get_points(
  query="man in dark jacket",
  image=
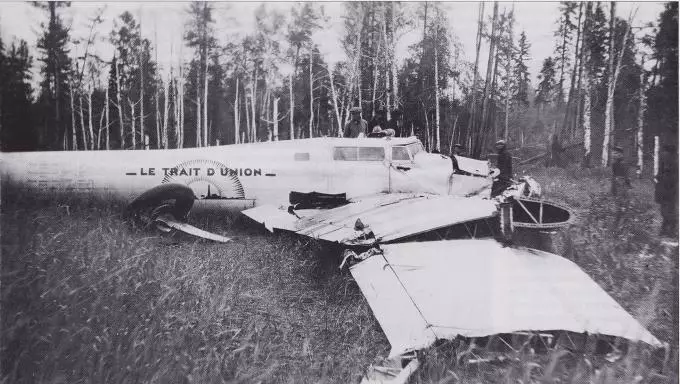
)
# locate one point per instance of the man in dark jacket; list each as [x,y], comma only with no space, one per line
[504,164]
[357,125]
[666,192]
[620,179]
[397,123]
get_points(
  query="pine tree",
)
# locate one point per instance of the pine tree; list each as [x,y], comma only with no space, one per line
[54,88]
[564,34]
[545,94]
[200,36]
[16,129]
[522,79]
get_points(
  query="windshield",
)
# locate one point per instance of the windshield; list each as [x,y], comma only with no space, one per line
[415,148]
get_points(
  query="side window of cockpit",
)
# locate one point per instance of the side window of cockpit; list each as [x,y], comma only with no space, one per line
[371,153]
[400,154]
[345,153]
[302,156]
[359,153]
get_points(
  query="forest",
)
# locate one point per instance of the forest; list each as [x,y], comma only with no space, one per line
[610,81]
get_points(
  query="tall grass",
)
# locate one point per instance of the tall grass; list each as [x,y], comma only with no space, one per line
[87,298]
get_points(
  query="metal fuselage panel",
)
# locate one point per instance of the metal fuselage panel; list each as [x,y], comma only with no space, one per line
[265,172]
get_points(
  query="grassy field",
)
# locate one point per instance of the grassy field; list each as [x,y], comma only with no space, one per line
[86,298]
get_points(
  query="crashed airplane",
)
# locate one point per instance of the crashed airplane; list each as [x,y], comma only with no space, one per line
[407,222]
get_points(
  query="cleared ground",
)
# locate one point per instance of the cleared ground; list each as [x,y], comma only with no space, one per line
[86,298]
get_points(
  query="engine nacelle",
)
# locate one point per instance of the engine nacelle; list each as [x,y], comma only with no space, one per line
[173,199]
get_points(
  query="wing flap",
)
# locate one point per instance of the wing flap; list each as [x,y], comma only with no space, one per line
[479,288]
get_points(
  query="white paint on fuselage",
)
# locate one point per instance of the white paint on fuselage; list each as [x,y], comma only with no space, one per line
[265,172]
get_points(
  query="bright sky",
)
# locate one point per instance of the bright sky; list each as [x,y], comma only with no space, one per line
[166,19]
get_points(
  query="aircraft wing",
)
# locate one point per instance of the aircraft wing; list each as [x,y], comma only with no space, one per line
[383,218]
[420,292]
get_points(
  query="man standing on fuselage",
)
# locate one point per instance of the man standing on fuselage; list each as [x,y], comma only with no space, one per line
[357,125]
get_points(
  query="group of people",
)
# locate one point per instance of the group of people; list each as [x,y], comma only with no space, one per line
[378,127]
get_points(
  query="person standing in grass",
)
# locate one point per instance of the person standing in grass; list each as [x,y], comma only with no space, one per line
[620,179]
[666,191]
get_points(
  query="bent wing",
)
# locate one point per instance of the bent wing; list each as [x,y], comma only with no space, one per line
[421,292]
[383,218]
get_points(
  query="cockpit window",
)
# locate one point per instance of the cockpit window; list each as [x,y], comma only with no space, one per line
[359,153]
[371,153]
[345,153]
[415,148]
[400,153]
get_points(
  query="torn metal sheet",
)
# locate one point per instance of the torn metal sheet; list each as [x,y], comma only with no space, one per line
[273,217]
[393,217]
[190,229]
[473,166]
[420,292]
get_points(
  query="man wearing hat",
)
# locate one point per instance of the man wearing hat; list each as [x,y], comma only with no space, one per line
[457,150]
[666,191]
[620,179]
[397,123]
[356,125]
[504,164]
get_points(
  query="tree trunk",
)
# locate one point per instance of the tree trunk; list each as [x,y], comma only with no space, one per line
[166,113]
[641,116]
[489,76]
[311,94]
[198,120]
[375,53]
[142,134]
[395,79]
[473,107]
[275,116]
[508,69]
[237,120]
[335,101]
[358,70]
[656,157]
[159,139]
[106,101]
[132,126]
[176,110]
[610,89]
[74,140]
[566,125]
[292,107]
[437,144]
[101,128]
[82,123]
[120,109]
[205,103]
[587,115]
[249,129]
[612,83]
[89,120]
[253,99]
[579,81]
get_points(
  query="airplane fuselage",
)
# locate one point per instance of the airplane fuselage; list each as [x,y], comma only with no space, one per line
[243,175]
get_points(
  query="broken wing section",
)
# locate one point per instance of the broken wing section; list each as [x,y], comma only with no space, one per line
[382,218]
[424,291]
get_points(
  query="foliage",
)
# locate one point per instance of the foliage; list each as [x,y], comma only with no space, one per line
[16,104]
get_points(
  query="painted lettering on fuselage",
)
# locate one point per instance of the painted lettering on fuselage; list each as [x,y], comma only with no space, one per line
[197,171]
